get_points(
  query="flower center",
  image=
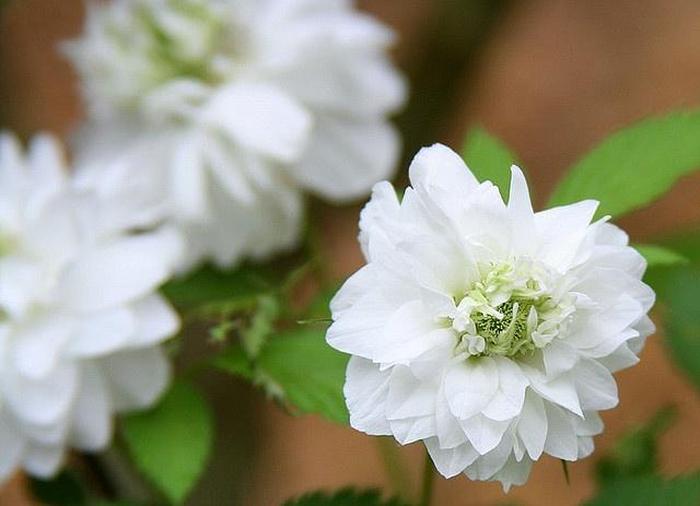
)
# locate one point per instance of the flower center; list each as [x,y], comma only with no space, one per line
[509,312]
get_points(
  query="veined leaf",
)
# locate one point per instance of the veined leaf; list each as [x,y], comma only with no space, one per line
[299,368]
[171,443]
[634,166]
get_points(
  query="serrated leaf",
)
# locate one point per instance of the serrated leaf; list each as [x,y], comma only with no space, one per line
[650,491]
[636,452]
[235,361]
[170,444]
[63,490]
[489,159]
[344,497]
[297,367]
[634,166]
[310,373]
[659,256]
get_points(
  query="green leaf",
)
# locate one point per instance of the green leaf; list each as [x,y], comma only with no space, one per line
[682,318]
[261,325]
[636,452]
[634,166]
[63,490]
[489,159]
[345,497]
[650,491]
[209,285]
[235,361]
[170,444]
[297,367]
[659,256]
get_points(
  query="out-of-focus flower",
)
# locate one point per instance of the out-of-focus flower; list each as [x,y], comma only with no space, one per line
[486,330]
[222,112]
[80,322]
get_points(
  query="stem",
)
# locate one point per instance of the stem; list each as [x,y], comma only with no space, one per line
[394,466]
[427,486]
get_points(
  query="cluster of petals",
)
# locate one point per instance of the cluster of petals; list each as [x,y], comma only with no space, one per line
[80,320]
[486,330]
[218,115]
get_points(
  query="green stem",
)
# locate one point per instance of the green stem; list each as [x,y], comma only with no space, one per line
[394,466]
[426,492]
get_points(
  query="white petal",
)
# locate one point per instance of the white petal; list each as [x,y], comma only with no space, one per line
[155,321]
[102,332]
[43,401]
[508,400]
[513,473]
[595,385]
[261,118]
[410,430]
[188,183]
[122,271]
[483,433]
[37,346]
[91,426]
[561,230]
[531,427]
[43,461]
[450,461]
[346,157]
[561,437]
[487,465]
[438,171]
[408,396]
[136,379]
[521,215]
[560,390]
[366,390]
[470,386]
[12,444]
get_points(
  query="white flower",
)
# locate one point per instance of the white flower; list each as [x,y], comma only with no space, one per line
[80,322]
[486,330]
[225,111]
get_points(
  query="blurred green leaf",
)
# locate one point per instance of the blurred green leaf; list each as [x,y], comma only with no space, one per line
[659,256]
[63,490]
[636,452]
[345,497]
[634,166]
[253,337]
[209,285]
[650,491]
[682,319]
[171,443]
[298,368]
[489,159]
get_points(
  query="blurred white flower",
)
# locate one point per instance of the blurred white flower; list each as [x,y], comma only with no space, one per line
[486,330]
[222,112]
[80,322]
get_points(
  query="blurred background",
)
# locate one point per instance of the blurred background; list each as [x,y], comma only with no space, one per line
[550,78]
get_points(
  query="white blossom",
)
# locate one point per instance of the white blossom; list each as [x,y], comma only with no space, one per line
[484,329]
[218,114]
[80,321]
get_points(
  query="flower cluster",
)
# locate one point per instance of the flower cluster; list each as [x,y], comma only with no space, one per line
[224,112]
[80,322]
[486,330]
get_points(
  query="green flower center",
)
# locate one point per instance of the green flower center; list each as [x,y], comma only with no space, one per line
[508,312]
[509,336]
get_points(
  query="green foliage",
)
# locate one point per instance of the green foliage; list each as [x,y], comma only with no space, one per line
[170,444]
[489,159]
[209,286]
[63,490]
[634,166]
[650,491]
[660,256]
[344,497]
[682,319]
[298,368]
[636,452]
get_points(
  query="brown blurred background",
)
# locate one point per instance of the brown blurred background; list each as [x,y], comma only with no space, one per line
[551,78]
